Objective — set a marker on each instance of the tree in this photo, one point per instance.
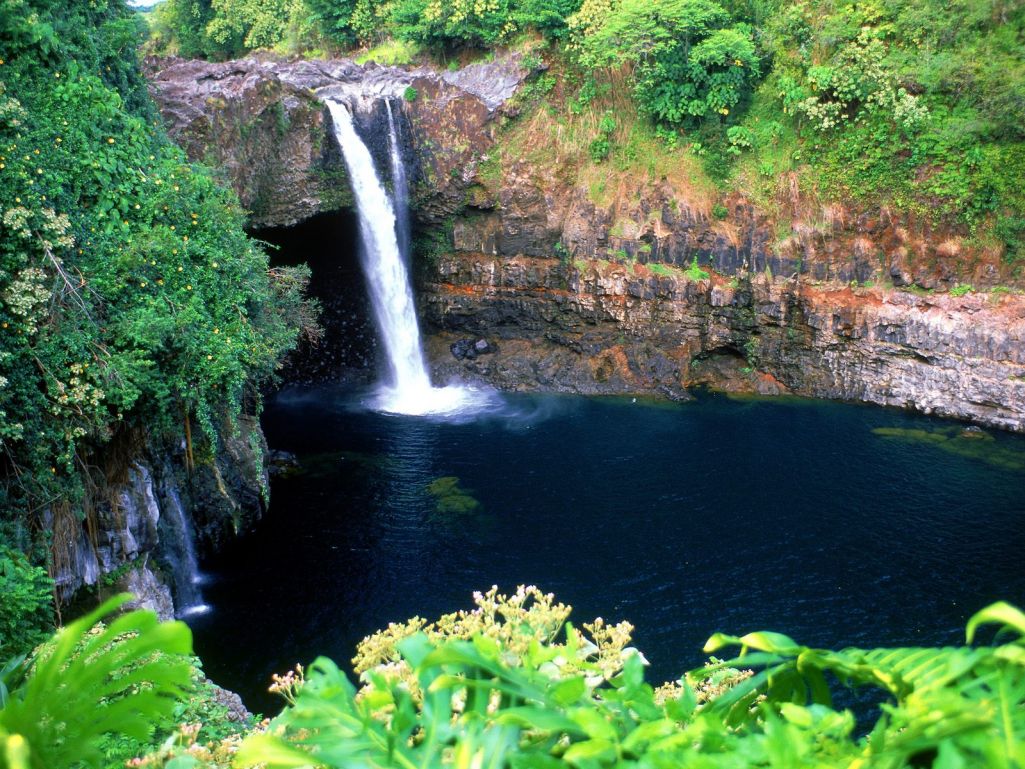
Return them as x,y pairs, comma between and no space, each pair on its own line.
689,59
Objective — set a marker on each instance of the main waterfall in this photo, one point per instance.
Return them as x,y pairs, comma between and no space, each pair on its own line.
407,387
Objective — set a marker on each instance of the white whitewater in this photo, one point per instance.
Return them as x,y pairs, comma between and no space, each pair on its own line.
400,186
185,565
407,388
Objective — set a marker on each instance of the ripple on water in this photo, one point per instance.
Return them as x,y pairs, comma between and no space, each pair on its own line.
685,520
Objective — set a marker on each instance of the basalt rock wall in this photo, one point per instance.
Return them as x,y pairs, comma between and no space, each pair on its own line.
131,536
816,298
597,327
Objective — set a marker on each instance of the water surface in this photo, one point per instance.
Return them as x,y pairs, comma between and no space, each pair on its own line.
727,515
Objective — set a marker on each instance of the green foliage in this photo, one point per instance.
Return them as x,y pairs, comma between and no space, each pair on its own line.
335,18
690,61
1010,230
440,24
410,93
695,272
600,148
503,695
26,604
894,103
198,721
220,29
961,290
92,681
393,53
130,295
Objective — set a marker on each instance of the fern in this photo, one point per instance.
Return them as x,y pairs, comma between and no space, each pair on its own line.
91,680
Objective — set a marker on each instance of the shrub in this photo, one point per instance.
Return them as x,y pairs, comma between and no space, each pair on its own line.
130,296
694,272
524,688
689,60
26,604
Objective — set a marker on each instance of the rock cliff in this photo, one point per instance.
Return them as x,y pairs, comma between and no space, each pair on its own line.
578,272
134,533
600,327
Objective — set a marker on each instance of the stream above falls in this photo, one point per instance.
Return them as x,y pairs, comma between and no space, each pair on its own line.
834,523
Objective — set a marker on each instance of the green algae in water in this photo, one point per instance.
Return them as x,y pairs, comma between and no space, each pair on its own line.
330,461
450,498
970,442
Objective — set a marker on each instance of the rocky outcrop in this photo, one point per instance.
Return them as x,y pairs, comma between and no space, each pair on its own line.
132,536
816,298
263,123
599,327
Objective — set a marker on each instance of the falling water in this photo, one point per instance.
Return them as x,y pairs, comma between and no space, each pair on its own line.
400,187
407,387
184,564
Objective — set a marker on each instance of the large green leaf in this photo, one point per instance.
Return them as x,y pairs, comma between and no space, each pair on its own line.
92,680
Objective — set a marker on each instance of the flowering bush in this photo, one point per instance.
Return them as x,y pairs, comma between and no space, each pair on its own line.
130,296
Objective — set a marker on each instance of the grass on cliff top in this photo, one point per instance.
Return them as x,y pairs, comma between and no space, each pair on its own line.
560,124
392,53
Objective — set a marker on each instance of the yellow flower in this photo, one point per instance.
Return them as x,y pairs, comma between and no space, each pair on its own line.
110,140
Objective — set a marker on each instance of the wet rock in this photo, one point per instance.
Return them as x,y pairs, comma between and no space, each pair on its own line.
150,591
237,711
281,464
133,517
469,349
586,328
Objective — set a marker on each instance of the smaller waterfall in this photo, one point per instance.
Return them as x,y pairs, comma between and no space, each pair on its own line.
183,559
407,388
400,185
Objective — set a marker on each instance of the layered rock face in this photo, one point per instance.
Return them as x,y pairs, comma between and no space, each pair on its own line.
789,306
263,123
598,327
132,538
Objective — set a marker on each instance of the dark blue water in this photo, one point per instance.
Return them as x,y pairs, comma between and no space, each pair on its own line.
686,519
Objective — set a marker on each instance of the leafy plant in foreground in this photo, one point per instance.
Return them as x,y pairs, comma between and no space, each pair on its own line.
90,681
475,703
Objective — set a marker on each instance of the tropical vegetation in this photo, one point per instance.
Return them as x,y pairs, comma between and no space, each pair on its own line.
132,302
512,683
916,104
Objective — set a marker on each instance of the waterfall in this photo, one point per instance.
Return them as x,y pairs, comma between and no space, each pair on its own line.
400,186
407,387
183,559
